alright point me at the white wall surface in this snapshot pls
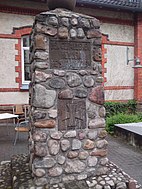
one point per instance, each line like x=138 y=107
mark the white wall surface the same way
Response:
x=25 y=4
x=119 y=94
x=14 y=98
x=105 y=13
x=118 y=72
x=8 y=21
x=116 y=32
x=8 y=63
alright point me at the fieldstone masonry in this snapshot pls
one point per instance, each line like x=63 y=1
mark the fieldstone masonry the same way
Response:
x=67 y=139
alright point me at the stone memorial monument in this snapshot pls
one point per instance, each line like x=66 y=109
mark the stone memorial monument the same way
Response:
x=66 y=96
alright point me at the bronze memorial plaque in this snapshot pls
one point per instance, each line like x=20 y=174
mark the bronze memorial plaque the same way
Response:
x=71 y=114
x=69 y=55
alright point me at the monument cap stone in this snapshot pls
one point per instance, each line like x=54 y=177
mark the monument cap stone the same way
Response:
x=66 y=4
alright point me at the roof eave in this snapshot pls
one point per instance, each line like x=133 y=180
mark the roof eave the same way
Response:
x=101 y=5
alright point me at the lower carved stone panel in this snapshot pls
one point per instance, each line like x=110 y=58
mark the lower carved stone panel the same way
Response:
x=72 y=114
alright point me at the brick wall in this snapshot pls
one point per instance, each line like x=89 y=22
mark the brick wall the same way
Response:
x=138 y=53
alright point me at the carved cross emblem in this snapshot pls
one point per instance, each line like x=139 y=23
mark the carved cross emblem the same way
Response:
x=73 y=114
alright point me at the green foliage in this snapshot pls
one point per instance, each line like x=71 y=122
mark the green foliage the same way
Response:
x=113 y=108
x=121 y=118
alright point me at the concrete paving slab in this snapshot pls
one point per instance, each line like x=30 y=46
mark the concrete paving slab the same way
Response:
x=127 y=157
x=7 y=149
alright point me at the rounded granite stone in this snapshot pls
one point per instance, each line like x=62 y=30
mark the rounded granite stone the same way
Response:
x=53 y=147
x=65 y=21
x=53 y=20
x=55 y=171
x=73 y=79
x=65 y=145
x=63 y=33
x=80 y=33
x=56 y=135
x=57 y=83
x=39 y=136
x=39 y=172
x=45 y=124
x=74 y=166
x=74 y=21
x=72 y=154
x=65 y=94
x=76 y=144
x=88 y=81
x=47 y=162
x=83 y=155
x=101 y=144
x=61 y=159
x=43 y=98
x=92 y=161
x=73 y=33
x=40 y=150
x=88 y=144
x=81 y=92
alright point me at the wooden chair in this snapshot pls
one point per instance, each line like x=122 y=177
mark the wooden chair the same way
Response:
x=19 y=110
x=22 y=124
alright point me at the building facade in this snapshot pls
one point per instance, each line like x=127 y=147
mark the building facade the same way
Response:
x=121 y=41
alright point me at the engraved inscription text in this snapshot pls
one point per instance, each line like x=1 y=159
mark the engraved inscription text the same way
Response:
x=69 y=55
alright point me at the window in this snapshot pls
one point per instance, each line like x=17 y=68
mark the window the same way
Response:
x=25 y=60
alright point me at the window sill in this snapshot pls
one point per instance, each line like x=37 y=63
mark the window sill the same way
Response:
x=25 y=87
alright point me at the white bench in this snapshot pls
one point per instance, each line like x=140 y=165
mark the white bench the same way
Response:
x=132 y=127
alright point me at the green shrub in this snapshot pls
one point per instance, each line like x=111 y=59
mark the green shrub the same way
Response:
x=113 y=108
x=121 y=118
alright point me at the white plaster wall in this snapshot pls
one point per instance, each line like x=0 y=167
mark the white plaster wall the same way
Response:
x=119 y=94
x=117 y=32
x=8 y=21
x=105 y=13
x=8 y=63
x=118 y=72
x=14 y=98
x=25 y=4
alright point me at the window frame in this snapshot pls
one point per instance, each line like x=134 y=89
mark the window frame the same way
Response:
x=24 y=82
